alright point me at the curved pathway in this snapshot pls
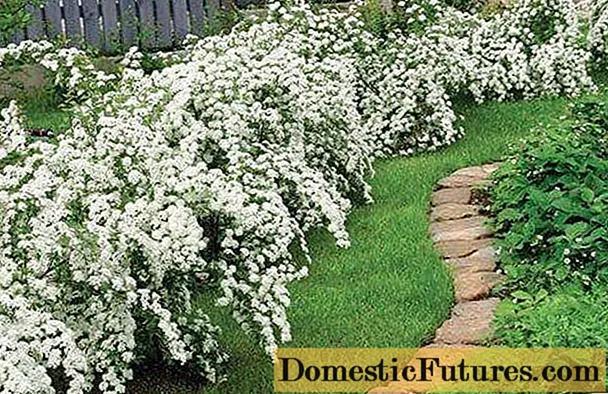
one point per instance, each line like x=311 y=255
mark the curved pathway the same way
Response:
x=458 y=231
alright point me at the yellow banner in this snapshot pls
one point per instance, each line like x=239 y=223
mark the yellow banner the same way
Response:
x=439 y=370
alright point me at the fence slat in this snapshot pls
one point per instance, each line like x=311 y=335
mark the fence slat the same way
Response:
x=90 y=12
x=52 y=17
x=128 y=22
x=213 y=7
x=109 y=18
x=180 y=19
x=71 y=13
x=197 y=16
x=146 y=23
x=108 y=23
x=35 y=29
x=163 y=23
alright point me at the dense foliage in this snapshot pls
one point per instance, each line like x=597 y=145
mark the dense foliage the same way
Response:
x=564 y=320
x=598 y=29
x=551 y=210
x=206 y=175
x=551 y=205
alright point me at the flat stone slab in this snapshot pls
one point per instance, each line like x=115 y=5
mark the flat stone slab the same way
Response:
x=460 y=195
x=454 y=181
x=446 y=346
x=450 y=211
x=483 y=259
x=470 y=323
x=471 y=286
x=490 y=168
x=460 y=229
x=476 y=172
x=454 y=249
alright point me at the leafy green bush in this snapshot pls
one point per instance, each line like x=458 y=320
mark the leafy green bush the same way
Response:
x=570 y=320
x=551 y=210
x=551 y=206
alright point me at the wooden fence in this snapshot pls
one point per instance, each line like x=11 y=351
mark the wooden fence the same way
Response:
x=114 y=24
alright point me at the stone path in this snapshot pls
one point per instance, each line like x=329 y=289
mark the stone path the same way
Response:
x=457 y=228
x=458 y=231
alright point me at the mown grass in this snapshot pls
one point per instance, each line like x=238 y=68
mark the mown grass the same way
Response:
x=390 y=288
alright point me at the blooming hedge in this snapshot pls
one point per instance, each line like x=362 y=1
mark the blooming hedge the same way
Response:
x=598 y=29
x=206 y=175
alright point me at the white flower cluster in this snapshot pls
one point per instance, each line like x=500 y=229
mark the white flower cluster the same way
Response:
x=406 y=80
x=202 y=179
x=97 y=250
x=548 y=35
x=532 y=49
x=72 y=71
x=598 y=28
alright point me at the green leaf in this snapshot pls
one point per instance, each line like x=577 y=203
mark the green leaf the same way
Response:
x=506 y=307
x=561 y=273
x=542 y=294
x=521 y=295
x=576 y=230
x=587 y=194
x=563 y=204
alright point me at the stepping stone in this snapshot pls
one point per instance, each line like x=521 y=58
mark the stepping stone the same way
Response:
x=450 y=211
x=490 y=168
x=454 y=181
x=454 y=249
x=460 y=229
x=483 y=259
x=471 y=286
x=460 y=195
x=470 y=323
x=475 y=172
x=446 y=346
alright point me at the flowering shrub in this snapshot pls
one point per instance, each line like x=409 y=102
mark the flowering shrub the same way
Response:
x=74 y=77
x=202 y=175
x=205 y=174
x=598 y=28
x=532 y=49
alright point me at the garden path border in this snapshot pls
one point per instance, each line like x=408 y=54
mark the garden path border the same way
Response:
x=459 y=233
x=458 y=230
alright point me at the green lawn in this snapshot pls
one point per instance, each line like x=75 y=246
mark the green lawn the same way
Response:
x=390 y=289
